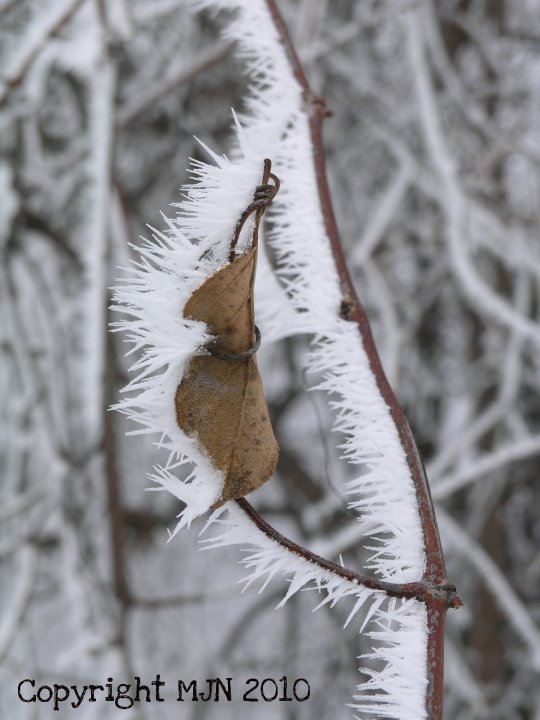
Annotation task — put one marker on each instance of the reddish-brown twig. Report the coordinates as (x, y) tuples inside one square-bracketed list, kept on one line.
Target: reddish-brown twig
[(419, 590), (262, 198), (433, 589)]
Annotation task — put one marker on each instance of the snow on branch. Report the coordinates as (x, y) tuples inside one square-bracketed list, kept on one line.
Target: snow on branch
[(195, 245), (304, 297), (48, 22), (503, 593), (397, 626), (492, 462), (459, 211)]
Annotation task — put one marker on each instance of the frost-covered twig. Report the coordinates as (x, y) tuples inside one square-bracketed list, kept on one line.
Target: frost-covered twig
[(503, 593), (13, 616), (101, 104), (499, 409), (391, 691), (470, 106), (405, 590), (491, 462), (352, 310), (382, 215), (316, 296), (140, 103), (455, 204), (47, 24), (464, 682), (211, 595)]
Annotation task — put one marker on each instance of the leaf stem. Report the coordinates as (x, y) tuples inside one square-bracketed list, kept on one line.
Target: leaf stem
[(262, 198)]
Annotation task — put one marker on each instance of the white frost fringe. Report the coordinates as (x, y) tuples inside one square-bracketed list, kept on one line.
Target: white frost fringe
[(306, 300), (395, 690)]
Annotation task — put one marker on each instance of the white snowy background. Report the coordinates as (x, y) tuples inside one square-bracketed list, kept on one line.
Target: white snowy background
[(433, 153)]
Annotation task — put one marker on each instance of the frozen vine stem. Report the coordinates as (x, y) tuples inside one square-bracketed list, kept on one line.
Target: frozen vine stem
[(438, 594), (284, 122)]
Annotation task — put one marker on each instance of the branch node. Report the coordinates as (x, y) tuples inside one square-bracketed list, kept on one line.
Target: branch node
[(446, 592), (346, 308), (315, 104)]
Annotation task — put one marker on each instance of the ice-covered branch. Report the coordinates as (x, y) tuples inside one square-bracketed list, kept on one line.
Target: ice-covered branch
[(395, 691), (284, 122), (13, 616), (101, 93), (383, 215), (47, 24), (455, 203), (138, 104), (504, 595), (491, 462)]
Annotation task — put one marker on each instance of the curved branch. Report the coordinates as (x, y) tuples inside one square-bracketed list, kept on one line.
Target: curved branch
[(418, 590), (434, 576), (352, 310)]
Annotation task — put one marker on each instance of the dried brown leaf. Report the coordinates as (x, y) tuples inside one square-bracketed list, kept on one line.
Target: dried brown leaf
[(221, 401)]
